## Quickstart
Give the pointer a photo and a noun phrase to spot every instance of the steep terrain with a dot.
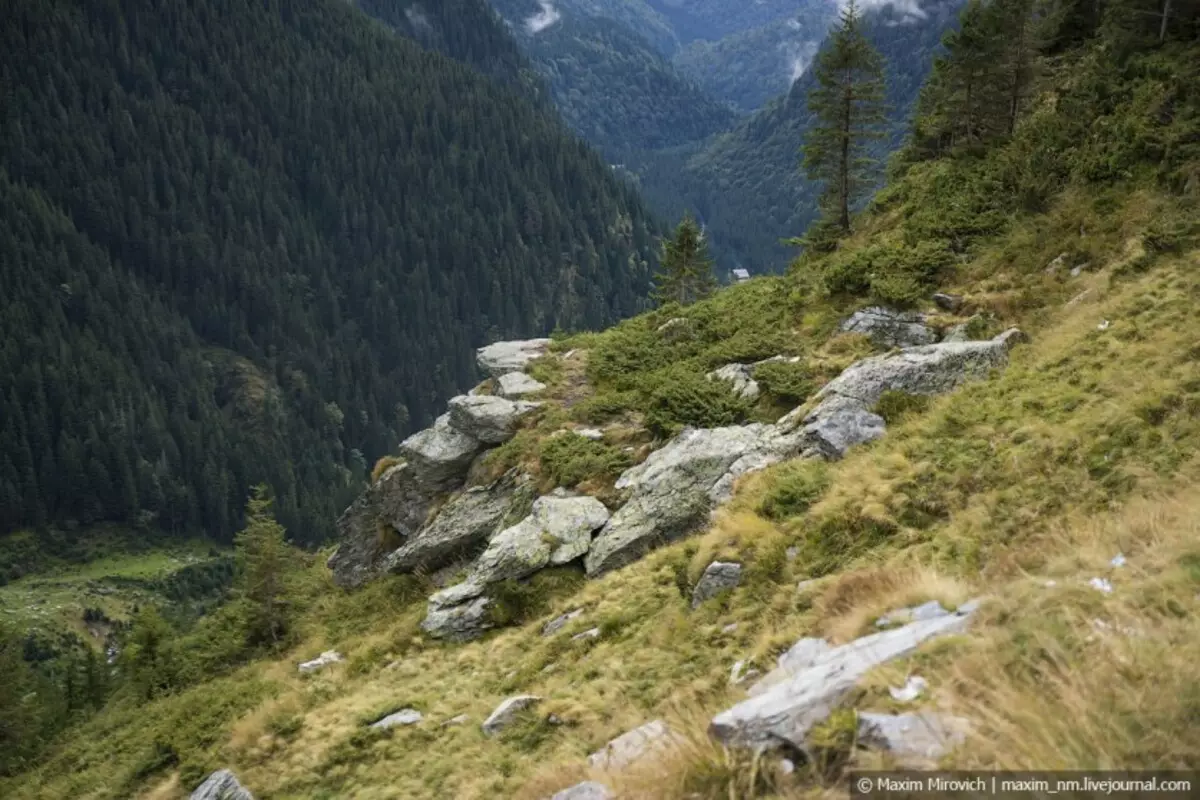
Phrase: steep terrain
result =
(930, 496)
(247, 243)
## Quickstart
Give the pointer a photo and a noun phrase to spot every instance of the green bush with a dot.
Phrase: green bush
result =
(895, 274)
(681, 398)
(604, 406)
(795, 487)
(569, 459)
(788, 383)
(516, 602)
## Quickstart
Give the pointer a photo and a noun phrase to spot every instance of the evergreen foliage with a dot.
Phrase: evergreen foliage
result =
(263, 561)
(686, 269)
(252, 243)
(848, 104)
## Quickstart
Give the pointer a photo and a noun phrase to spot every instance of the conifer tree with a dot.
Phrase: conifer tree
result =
(687, 270)
(262, 559)
(848, 104)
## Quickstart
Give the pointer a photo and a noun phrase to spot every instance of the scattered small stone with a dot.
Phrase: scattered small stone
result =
(912, 689)
(730, 628)
(551, 667)
(590, 633)
(787, 766)
(677, 329)
(461, 719)
(506, 713)
(595, 434)
(1118, 560)
(718, 576)
(1103, 326)
(588, 790)
(791, 553)
(1101, 585)
(1077, 271)
(559, 622)
(555, 720)
(405, 716)
(321, 661)
(1051, 584)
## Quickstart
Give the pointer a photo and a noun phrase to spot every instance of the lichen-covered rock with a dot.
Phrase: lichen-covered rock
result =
(517, 384)
(487, 418)
(506, 713)
(740, 378)
(651, 738)
(503, 357)
(673, 491)
(719, 576)
(588, 790)
(441, 454)
(915, 740)
(557, 531)
(405, 716)
(838, 424)
(458, 623)
(797, 700)
(948, 302)
(889, 328)
(464, 523)
(221, 785)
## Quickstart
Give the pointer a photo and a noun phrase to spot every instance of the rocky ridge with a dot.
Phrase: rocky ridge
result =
(419, 515)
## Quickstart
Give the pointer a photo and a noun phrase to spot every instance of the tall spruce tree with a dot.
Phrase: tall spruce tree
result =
(263, 559)
(687, 269)
(848, 104)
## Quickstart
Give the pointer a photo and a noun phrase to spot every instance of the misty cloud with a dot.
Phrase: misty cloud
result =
(544, 18)
(911, 8)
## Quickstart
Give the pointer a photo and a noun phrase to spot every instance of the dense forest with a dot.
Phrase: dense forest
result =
(258, 242)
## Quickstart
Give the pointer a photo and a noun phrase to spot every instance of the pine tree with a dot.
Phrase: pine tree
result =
(262, 558)
(687, 270)
(848, 104)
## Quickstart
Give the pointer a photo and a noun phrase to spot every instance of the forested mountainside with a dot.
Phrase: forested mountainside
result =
(613, 87)
(465, 30)
(747, 184)
(250, 242)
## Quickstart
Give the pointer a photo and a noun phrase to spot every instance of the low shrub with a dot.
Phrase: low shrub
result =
(795, 487)
(894, 405)
(788, 383)
(569, 459)
(681, 398)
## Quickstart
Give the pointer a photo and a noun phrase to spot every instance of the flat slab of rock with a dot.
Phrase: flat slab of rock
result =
(506, 713)
(719, 576)
(487, 418)
(405, 716)
(931, 610)
(558, 623)
(797, 700)
(517, 384)
(465, 523)
(631, 746)
(740, 377)
(557, 531)
(913, 739)
(321, 661)
(799, 657)
(221, 785)
(838, 424)
(588, 790)
(504, 357)
(673, 491)
(889, 328)
(458, 623)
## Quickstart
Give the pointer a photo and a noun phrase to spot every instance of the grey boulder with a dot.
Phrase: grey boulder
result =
(405, 716)
(464, 523)
(221, 785)
(487, 418)
(506, 713)
(588, 790)
(321, 661)
(517, 384)
(440, 454)
(807, 691)
(634, 745)
(889, 328)
(503, 357)
(948, 302)
(673, 491)
(557, 531)
(719, 576)
(740, 377)
(458, 623)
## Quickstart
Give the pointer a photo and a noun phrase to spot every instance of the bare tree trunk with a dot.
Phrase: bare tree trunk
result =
(1166, 13)
(844, 164)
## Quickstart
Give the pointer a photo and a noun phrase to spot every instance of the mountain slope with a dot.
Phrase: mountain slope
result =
(313, 219)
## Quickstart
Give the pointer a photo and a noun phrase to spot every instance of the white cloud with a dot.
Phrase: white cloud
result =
(798, 56)
(544, 18)
(910, 8)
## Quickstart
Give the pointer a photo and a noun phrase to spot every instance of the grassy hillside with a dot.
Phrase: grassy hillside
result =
(1082, 229)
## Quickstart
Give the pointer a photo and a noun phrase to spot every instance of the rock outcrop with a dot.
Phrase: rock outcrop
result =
(487, 418)
(588, 790)
(719, 576)
(221, 785)
(515, 385)
(740, 377)
(914, 740)
(504, 357)
(843, 417)
(321, 661)
(506, 713)
(807, 690)
(405, 716)
(651, 738)
(889, 328)
(458, 622)
(464, 524)
(673, 491)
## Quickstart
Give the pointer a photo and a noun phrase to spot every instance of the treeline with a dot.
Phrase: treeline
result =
(258, 242)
